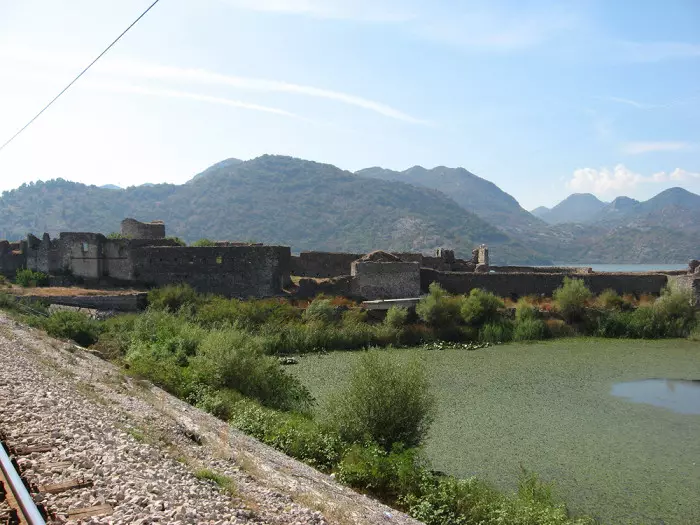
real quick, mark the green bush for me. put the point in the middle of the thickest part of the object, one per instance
(29, 278)
(296, 435)
(221, 403)
(499, 332)
(529, 329)
(7, 302)
(481, 307)
(385, 402)
(438, 309)
(571, 299)
(72, 325)
(610, 300)
(451, 501)
(204, 243)
(250, 315)
(320, 310)
(388, 475)
(116, 335)
(525, 311)
(354, 317)
(396, 317)
(231, 359)
(173, 297)
(675, 311)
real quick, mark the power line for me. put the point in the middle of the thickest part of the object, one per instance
(13, 137)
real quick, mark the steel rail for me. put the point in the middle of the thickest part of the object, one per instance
(27, 507)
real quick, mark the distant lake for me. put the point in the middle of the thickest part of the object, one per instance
(628, 267)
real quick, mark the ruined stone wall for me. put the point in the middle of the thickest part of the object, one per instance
(82, 254)
(43, 255)
(11, 259)
(385, 280)
(522, 284)
(235, 271)
(322, 264)
(120, 303)
(134, 229)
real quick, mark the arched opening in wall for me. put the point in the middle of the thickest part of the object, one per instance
(85, 247)
(219, 259)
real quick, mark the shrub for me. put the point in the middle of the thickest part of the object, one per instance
(530, 329)
(29, 278)
(385, 401)
(66, 324)
(177, 240)
(7, 302)
(202, 243)
(438, 309)
(116, 335)
(231, 359)
(559, 328)
(321, 310)
(571, 299)
(173, 297)
(220, 403)
(249, 315)
(500, 332)
(354, 316)
(675, 311)
(481, 307)
(695, 333)
(396, 317)
(296, 435)
(610, 300)
(525, 311)
(387, 475)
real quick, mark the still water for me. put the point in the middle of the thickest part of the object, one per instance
(680, 395)
(629, 267)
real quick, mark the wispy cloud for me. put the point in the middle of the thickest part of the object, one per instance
(604, 181)
(644, 105)
(122, 69)
(171, 93)
(636, 148)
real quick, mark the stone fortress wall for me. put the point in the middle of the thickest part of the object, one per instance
(145, 257)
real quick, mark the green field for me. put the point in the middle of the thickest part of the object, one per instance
(547, 407)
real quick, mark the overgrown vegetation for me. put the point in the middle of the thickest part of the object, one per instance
(222, 355)
(30, 278)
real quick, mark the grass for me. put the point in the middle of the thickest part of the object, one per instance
(547, 407)
(226, 483)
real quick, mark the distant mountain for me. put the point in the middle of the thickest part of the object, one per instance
(219, 167)
(271, 199)
(540, 212)
(576, 208)
(473, 193)
(110, 187)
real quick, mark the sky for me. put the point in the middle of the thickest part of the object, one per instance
(542, 98)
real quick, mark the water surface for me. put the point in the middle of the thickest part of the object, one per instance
(628, 267)
(680, 395)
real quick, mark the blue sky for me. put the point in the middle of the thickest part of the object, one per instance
(542, 98)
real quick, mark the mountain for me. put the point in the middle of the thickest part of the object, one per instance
(473, 193)
(540, 212)
(665, 228)
(110, 187)
(219, 167)
(271, 199)
(577, 208)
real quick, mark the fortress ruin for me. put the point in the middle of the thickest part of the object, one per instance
(143, 256)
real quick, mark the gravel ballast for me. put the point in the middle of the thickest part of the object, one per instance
(147, 455)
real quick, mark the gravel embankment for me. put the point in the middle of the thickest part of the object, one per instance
(140, 447)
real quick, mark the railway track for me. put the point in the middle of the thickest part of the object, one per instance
(18, 495)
